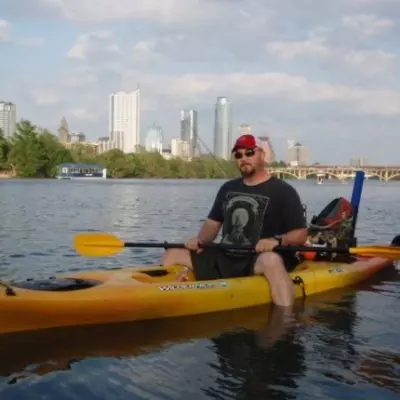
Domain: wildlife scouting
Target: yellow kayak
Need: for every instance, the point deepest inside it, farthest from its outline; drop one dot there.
(145, 293)
(53, 349)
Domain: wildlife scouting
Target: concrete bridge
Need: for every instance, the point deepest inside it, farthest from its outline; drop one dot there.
(341, 172)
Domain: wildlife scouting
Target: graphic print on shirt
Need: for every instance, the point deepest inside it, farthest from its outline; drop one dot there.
(243, 217)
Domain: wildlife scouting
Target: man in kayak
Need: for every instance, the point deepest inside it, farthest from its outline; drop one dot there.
(256, 209)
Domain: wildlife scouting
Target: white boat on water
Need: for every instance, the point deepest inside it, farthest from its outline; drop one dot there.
(83, 171)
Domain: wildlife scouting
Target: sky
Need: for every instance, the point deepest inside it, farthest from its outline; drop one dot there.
(323, 73)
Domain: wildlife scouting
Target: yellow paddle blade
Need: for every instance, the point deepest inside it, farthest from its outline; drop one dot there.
(384, 251)
(97, 244)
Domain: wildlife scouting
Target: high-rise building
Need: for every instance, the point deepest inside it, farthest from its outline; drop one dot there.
(268, 149)
(244, 129)
(297, 154)
(124, 120)
(77, 137)
(223, 128)
(8, 118)
(359, 162)
(154, 139)
(63, 131)
(180, 148)
(189, 130)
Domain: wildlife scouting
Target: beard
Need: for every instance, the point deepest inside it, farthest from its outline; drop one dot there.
(247, 170)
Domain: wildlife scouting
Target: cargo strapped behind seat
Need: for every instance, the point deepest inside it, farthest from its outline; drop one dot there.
(332, 228)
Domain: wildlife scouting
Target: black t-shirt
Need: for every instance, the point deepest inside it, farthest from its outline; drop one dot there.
(251, 213)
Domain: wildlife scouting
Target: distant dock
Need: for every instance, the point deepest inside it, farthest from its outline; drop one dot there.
(81, 171)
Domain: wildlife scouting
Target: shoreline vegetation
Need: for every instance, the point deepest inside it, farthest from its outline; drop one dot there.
(36, 153)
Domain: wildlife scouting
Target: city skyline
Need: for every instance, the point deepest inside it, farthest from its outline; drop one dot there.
(124, 122)
(186, 146)
(327, 76)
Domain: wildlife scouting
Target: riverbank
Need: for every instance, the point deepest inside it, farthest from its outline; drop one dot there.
(6, 175)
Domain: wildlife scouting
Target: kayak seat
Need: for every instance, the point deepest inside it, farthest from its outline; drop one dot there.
(142, 277)
(158, 276)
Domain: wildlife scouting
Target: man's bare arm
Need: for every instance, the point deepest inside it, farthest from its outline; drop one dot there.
(209, 231)
(296, 237)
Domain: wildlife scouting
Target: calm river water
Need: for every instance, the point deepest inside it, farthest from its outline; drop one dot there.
(343, 345)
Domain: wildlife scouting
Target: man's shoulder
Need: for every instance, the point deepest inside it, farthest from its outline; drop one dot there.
(283, 185)
(274, 183)
(231, 183)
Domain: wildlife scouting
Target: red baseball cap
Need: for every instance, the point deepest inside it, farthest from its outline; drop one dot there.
(247, 142)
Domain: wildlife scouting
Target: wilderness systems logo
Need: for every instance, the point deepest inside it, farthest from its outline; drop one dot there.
(196, 285)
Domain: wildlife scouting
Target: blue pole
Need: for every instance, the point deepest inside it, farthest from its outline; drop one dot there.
(355, 201)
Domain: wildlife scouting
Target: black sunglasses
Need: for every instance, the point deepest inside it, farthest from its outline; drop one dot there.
(248, 153)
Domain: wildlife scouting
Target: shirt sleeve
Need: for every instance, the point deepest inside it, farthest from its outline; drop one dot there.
(293, 211)
(216, 213)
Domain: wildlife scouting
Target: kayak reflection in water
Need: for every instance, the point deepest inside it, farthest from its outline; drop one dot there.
(292, 354)
(256, 209)
(261, 364)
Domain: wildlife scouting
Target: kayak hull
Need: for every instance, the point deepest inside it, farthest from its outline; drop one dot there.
(51, 350)
(145, 293)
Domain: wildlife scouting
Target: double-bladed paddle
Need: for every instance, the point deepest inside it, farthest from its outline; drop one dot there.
(99, 244)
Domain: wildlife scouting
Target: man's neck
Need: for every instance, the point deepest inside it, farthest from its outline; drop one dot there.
(258, 178)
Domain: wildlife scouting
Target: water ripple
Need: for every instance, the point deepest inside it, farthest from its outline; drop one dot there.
(342, 346)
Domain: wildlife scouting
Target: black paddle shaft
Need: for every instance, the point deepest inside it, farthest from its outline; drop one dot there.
(166, 245)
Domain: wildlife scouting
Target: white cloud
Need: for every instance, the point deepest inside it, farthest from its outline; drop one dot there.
(6, 37)
(288, 50)
(80, 77)
(167, 94)
(46, 97)
(5, 28)
(82, 113)
(200, 89)
(367, 24)
(308, 65)
(146, 52)
(90, 44)
(167, 11)
(370, 63)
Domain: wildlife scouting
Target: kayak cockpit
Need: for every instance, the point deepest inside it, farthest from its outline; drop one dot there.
(88, 280)
(56, 284)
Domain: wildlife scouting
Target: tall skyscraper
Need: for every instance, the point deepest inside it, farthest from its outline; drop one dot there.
(189, 130)
(124, 120)
(297, 154)
(8, 118)
(63, 131)
(223, 128)
(269, 150)
(154, 139)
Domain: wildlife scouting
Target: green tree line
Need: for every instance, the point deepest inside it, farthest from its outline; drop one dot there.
(35, 153)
